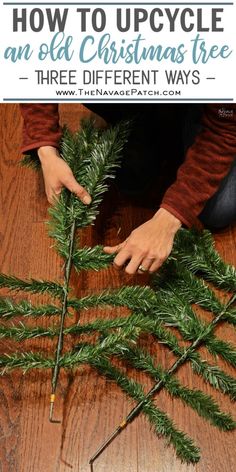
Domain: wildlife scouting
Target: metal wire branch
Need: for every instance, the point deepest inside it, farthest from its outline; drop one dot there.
(158, 386)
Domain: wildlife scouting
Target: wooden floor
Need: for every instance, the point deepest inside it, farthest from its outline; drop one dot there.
(89, 406)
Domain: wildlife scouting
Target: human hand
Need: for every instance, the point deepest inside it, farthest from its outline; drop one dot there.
(148, 246)
(57, 174)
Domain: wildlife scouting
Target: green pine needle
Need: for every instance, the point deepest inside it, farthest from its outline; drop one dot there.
(9, 309)
(196, 251)
(32, 285)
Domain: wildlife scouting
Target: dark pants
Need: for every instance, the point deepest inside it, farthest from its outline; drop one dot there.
(165, 132)
(220, 210)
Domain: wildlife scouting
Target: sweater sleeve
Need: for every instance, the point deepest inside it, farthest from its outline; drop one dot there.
(41, 126)
(207, 162)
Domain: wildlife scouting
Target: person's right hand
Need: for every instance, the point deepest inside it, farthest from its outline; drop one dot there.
(57, 174)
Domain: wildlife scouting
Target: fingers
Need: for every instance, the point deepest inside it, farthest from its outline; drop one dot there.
(51, 198)
(52, 194)
(71, 184)
(134, 261)
(111, 249)
(156, 264)
(145, 265)
(57, 174)
(125, 258)
(114, 249)
(133, 265)
(122, 254)
(122, 258)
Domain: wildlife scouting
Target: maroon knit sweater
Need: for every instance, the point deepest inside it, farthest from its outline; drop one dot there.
(207, 161)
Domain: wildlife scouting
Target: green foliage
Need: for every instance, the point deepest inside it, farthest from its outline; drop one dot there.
(196, 251)
(170, 303)
(32, 286)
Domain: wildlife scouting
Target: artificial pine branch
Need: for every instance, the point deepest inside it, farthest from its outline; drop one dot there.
(143, 297)
(133, 297)
(204, 404)
(162, 424)
(91, 258)
(141, 406)
(9, 309)
(25, 361)
(82, 354)
(21, 332)
(32, 286)
(178, 313)
(59, 348)
(196, 251)
(212, 374)
(92, 170)
(215, 376)
(174, 276)
(218, 347)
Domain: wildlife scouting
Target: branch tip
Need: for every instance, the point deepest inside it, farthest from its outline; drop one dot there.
(52, 401)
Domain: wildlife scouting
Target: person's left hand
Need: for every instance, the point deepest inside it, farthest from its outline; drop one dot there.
(148, 246)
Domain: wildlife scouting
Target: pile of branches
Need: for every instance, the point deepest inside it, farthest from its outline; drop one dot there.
(186, 279)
